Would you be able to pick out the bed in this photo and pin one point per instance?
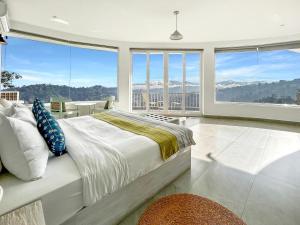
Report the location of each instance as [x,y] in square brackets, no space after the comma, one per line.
[61,188]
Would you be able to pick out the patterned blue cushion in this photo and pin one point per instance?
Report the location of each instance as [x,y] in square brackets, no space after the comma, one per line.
[36,104]
[49,128]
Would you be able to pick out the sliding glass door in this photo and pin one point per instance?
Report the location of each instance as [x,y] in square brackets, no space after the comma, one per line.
[192,81]
[175,88]
[156,81]
[166,81]
[139,81]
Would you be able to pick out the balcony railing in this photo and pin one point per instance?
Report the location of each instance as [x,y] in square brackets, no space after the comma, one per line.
[176,101]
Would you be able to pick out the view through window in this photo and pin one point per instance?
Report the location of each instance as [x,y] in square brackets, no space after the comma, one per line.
[259,75]
[181,92]
[45,70]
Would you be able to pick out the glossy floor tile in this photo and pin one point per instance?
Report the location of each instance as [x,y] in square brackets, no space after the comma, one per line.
[272,202]
[252,168]
[227,186]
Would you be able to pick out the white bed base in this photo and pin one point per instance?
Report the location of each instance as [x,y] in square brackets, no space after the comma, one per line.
[113,208]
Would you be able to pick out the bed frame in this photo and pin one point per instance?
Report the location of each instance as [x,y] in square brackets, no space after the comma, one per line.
[113,208]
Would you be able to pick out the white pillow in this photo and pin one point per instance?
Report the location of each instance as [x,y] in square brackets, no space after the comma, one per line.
[7,111]
[22,112]
[5,103]
[23,150]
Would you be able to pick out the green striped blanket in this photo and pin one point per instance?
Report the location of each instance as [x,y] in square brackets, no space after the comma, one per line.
[170,137]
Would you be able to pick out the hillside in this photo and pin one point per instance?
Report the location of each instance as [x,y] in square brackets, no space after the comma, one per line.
[231,83]
[275,92]
[44,91]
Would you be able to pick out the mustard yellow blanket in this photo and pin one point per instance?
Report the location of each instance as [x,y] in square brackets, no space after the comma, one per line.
[166,140]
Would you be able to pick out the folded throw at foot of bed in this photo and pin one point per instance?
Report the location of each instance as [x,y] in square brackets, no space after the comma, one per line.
[170,137]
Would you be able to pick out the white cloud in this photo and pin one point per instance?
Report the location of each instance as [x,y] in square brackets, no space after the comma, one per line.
[295,50]
[18,60]
[250,73]
[224,59]
[37,77]
[229,74]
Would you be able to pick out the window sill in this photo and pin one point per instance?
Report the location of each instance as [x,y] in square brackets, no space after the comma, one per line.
[267,105]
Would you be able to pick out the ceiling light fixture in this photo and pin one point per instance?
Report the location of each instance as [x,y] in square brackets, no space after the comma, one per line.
[176,35]
[58,20]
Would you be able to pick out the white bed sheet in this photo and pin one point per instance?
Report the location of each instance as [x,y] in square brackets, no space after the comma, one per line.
[142,154]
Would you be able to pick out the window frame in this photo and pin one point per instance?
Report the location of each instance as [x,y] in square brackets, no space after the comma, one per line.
[166,52]
[64,42]
[255,48]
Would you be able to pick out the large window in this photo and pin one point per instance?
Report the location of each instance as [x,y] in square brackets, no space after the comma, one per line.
[269,74]
[48,70]
[139,81]
[166,80]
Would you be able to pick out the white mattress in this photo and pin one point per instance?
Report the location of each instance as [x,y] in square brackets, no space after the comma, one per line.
[61,187]
[60,190]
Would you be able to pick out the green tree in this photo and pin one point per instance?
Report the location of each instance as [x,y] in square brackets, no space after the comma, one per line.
[8,77]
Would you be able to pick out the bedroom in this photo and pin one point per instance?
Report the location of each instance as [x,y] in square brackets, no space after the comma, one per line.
[110,108]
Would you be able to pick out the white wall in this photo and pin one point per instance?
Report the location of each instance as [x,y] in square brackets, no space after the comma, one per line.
[124,79]
[209,106]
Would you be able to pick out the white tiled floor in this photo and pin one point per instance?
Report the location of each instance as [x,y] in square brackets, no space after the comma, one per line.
[253,169]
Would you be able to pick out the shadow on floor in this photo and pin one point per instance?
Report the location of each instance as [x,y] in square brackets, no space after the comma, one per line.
[270,197]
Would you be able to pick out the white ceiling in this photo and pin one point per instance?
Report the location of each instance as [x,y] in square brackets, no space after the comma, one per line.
[153,21]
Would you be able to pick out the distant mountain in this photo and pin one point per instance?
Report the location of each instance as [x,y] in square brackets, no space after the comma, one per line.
[219,85]
[231,83]
[276,92]
[280,92]
[45,91]
[159,84]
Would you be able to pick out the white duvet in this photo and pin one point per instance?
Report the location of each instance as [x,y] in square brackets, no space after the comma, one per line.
[107,157]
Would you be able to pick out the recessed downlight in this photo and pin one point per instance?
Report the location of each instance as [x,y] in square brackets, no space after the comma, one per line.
[59,20]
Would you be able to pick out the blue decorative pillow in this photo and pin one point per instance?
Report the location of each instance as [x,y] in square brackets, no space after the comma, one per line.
[49,128]
[37,105]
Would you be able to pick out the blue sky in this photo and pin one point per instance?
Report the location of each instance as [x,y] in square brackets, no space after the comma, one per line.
[248,66]
[41,62]
[263,66]
[175,67]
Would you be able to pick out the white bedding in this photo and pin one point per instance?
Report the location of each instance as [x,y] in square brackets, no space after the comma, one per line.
[122,153]
[61,189]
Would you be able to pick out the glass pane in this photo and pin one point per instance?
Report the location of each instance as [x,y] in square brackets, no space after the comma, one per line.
[263,77]
[175,81]
[139,79]
[192,85]
[156,85]
[46,70]
[94,74]
[43,67]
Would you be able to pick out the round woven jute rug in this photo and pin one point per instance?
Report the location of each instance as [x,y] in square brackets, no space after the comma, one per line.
[188,209]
